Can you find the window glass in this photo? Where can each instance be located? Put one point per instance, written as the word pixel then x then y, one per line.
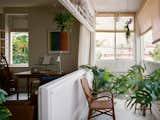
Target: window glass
pixel 112 43
pixel 105 45
pixel 151 51
pixel 121 22
pixel 104 23
pixel 124 47
pixel 19 48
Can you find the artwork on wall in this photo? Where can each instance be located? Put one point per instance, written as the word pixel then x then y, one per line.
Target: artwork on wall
pixel 58 42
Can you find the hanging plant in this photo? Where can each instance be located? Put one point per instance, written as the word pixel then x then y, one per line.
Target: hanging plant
pixel 64 21
pixel 128 32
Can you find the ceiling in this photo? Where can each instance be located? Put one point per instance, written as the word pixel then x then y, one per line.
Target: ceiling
pixel 99 5
pixel 117 5
pixel 26 3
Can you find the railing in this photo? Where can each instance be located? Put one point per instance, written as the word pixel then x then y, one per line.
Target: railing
pixel 63 99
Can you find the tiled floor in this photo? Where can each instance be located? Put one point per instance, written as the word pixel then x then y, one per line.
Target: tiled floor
pixel 124 113
pixel 121 111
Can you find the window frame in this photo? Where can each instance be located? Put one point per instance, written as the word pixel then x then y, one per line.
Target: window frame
pixel 8 40
pixel 120 14
pixel 10 50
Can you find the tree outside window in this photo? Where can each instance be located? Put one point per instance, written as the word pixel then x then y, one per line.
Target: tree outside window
pixel 19 47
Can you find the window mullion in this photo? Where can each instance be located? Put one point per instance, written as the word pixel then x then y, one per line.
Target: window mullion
pixel 115 27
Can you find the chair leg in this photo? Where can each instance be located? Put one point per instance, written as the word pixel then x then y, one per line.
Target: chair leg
pixel 89 114
pixel 113 114
pixel 150 108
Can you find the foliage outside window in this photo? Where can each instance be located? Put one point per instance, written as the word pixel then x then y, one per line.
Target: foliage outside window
pixel 111 42
pixel 151 51
pixel 19 48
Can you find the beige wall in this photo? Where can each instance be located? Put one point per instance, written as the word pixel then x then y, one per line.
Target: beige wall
pixel 40 22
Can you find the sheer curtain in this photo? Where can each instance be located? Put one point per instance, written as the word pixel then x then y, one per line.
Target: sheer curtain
pixel 156 19
pixel 144 17
pixel 149 17
pixel 86 55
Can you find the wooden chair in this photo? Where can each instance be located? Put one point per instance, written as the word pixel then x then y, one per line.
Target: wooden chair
pixel 7 81
pixel 103 104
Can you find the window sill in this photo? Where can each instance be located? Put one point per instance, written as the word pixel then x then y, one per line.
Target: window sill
pixel 116 60
pixel 18 65
pixel 154 62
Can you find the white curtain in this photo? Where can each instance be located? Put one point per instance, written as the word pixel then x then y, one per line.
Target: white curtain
pixel 144 16
pixel 156 19
pixel 149 17
pixel 93 49
pixel 86 55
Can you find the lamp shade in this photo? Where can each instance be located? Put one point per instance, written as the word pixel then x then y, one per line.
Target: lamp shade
pixel 58 59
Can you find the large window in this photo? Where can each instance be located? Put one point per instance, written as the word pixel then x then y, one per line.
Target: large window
pixel 111 41
pixel 151 51
pixel 17 40
pixel 19 48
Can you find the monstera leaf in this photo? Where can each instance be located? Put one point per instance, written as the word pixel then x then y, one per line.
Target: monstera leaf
pixel 2 96
pixel 4 112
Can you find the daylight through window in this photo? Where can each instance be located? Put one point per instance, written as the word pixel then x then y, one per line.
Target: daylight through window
pixel 111 41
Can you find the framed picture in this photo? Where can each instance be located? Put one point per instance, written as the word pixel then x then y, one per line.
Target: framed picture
pixel 58 42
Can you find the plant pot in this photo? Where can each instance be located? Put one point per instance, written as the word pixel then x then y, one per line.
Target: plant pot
pixel 63 41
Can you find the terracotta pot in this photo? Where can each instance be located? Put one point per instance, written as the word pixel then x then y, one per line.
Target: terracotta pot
pixel 63 41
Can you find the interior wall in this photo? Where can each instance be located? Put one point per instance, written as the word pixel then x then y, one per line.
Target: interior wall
pixel 41 20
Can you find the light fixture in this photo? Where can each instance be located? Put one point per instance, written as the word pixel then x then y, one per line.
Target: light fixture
pixel 60 62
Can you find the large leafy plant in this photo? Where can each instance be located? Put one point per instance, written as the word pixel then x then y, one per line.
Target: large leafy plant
pixel 126 83
pixel 140 89
pixel 64 20
pixel 146 91
pixel 4 112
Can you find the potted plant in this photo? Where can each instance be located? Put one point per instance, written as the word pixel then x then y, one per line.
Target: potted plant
pixel 5 114
pixel 145 91
pixel 64 21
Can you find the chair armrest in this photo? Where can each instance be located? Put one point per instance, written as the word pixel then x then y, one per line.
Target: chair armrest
pixel 105 96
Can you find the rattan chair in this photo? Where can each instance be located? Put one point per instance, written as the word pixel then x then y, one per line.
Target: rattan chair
pixel 100 104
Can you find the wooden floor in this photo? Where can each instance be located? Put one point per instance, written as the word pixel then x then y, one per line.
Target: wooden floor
pixel 121 111
pixel 124 113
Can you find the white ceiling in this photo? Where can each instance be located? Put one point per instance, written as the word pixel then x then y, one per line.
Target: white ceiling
pixel 26 3
pixel 117 5
pixel 99 5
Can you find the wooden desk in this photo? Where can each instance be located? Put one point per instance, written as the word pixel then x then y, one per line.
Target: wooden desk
pixel 28 75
